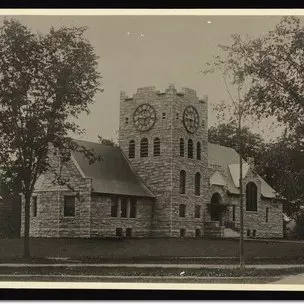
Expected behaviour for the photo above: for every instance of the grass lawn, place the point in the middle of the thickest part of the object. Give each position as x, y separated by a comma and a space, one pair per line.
150, 249
148, 271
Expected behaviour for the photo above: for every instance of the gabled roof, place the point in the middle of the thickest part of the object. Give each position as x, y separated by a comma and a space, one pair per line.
113, 174
234, 170
229, 161
217, 179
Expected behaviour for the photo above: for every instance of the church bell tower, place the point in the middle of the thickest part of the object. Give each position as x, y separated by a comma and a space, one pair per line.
164, 135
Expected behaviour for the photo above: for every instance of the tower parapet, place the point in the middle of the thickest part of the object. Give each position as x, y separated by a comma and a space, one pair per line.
150, 91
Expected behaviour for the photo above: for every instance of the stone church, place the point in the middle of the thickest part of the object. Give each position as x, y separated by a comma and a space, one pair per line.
164, 180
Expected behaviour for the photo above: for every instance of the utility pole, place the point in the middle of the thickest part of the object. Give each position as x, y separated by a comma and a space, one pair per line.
242, 262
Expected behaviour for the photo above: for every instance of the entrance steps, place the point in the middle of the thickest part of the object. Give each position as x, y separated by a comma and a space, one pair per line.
230, 233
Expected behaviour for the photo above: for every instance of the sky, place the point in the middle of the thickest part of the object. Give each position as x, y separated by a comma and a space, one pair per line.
137, 51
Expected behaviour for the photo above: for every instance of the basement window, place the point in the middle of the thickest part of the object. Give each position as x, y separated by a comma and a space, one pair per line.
197, 233
119, 232
129, 232
182, 232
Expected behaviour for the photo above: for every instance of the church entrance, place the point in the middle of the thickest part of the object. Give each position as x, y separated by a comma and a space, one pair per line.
215, 208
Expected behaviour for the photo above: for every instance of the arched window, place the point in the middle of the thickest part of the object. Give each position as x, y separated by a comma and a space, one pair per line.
156, 147
144, 147
131, 149
198, 150
197, 183
190, 148
251, 197
182, 182
181, 147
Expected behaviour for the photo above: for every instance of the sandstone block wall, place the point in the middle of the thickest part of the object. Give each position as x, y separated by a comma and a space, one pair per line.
161, 173
188, 97
50, 220
256, 220
155, 171
253, 220
103, 225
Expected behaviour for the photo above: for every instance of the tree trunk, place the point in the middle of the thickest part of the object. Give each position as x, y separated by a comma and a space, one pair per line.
26, 237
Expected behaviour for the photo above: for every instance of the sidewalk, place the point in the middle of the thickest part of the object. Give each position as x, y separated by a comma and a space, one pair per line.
141, 265
292, 279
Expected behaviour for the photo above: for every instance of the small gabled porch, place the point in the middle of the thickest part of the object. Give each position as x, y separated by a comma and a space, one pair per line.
222, 223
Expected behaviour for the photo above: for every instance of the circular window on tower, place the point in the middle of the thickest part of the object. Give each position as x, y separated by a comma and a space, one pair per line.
191, 119
144, 117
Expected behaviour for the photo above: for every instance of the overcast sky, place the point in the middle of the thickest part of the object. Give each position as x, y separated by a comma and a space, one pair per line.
140, 51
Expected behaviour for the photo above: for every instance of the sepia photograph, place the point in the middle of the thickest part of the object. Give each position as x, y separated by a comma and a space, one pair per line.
143, 148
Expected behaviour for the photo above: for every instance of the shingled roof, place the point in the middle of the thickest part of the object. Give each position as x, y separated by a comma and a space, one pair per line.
228, 159
113, 174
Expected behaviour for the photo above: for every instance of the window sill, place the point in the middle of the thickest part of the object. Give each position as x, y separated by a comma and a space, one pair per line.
123, 218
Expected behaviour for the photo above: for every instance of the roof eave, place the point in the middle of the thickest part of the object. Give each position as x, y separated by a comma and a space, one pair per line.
123, 194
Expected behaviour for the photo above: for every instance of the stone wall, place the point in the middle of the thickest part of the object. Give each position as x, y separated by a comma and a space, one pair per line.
103, 225
50, 220
253, 220
191, 166
161, 173
155, 171
256, 220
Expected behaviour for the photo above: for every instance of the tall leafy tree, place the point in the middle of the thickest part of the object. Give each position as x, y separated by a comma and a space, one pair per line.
46, 81
275, 63
226, 134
